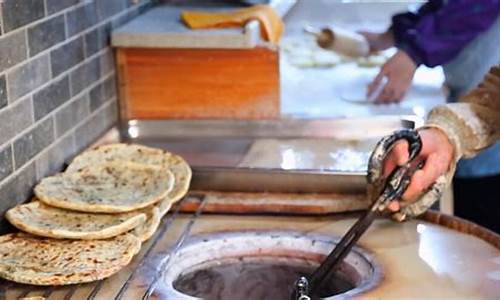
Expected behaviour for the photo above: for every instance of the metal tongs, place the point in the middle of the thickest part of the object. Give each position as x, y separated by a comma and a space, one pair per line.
383, 192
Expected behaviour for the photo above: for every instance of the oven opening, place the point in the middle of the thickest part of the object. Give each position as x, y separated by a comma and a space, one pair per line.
260, 265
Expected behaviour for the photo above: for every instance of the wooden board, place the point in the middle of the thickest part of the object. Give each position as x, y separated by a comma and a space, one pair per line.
198, 83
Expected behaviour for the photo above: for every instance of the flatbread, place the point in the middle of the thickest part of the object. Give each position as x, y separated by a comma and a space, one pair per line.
147, 229
119, 152
108, 188
43, 220
35, 260
144, 155
182, 174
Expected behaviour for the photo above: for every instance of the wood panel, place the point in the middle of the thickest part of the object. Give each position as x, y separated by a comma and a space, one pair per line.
192, 83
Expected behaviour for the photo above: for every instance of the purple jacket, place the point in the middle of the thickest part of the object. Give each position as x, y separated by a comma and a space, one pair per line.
437, 32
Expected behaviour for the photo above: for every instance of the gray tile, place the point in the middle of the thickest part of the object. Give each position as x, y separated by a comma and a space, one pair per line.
6, 165
1, 21
107, 62
33, 142
66, 56
51, 97
91, 42
15, 118
97, 98
106, 8
96, 126
85, 75
110, 114
81, 18
29, 76
54, 159
58, 5
97, 39
3, 92
46, 34
17, 13
109, 88
17, 189
72, 114
12, 49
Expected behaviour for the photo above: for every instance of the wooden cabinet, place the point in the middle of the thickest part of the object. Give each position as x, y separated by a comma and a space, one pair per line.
198, 83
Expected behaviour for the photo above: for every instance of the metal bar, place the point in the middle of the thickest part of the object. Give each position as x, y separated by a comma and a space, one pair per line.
179, 243
71, 292
348, 128
274, 180
48, 291
95, 290
4, 286
25, 293
164, 227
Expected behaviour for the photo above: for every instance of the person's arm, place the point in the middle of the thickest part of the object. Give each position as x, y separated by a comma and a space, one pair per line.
379, 41
453, 131
440, 33
474, 123
432, 37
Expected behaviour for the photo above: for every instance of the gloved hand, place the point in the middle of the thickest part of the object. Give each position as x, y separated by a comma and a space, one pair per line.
437, 152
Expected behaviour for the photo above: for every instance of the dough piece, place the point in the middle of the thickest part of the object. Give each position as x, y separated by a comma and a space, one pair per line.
372, 61
108, 188
43, 220
35, 260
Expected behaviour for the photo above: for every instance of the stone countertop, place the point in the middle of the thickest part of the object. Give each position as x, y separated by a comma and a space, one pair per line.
161, 27
416, 259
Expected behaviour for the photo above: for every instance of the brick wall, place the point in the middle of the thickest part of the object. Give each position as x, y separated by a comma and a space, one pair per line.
57, 84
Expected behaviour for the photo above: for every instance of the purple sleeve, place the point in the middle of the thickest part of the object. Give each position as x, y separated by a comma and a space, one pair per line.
438, 31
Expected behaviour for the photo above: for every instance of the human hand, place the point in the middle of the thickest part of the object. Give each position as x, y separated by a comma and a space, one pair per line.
399, 71
437, 154
378, 41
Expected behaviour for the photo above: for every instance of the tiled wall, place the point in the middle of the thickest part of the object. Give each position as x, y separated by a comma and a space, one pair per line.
57, 84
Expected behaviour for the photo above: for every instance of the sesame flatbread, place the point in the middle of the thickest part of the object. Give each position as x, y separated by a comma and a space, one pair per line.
144, 155
112, 187
40, 219
36, 260
147, 229
182, 174
119, 152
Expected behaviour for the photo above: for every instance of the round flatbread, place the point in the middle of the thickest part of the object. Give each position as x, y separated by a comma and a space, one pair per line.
36, 260
182, 174
107, 188
43, 220
144, 155
146, 230
119, 152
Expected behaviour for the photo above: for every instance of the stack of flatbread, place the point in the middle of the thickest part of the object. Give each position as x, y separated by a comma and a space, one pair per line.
87, 223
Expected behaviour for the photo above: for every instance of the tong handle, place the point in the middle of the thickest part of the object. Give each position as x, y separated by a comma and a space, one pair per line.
393, 188
343, 247
384, 146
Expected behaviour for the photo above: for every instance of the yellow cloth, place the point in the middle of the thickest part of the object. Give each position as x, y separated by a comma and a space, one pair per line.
271, 25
